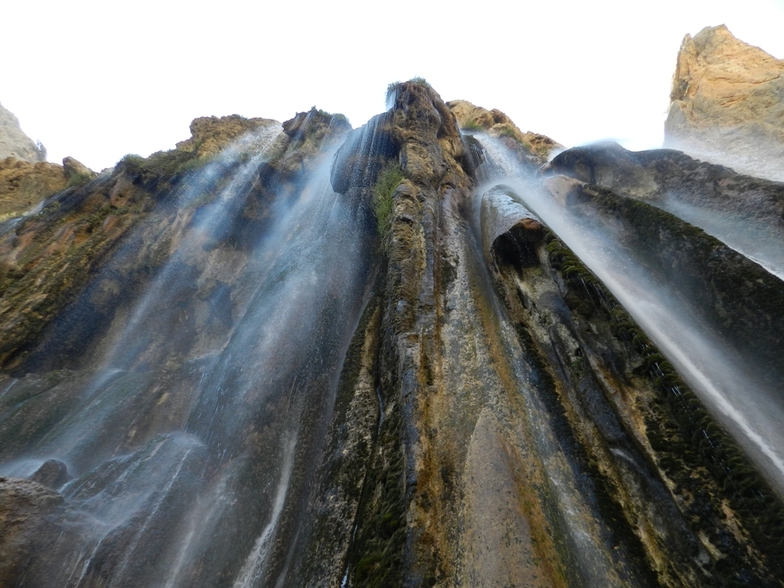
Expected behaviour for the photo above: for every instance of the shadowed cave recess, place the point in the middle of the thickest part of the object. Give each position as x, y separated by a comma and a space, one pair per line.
430, 351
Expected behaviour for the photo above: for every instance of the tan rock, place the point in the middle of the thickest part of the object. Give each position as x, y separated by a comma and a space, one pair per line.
74, 168
24, 184
13, 141
497, 124
210, 134
726, 104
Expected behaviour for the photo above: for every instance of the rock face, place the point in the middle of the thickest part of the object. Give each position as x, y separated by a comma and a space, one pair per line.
24, 184
744, 211
726, 104
210, 134
26, 178
339, 362
470, 117
13, 141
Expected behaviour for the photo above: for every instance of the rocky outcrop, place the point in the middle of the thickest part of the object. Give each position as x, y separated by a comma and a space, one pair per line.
726, 104
75, 170
210, 134
24, 184
14, 143
743, 211
26, 178
535, 146
57, 249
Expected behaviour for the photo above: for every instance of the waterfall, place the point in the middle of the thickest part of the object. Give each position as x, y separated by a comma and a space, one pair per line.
396, 355
728, 380
157, 436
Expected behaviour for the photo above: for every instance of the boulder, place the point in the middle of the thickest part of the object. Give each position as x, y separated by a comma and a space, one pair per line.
53, 473
75, 169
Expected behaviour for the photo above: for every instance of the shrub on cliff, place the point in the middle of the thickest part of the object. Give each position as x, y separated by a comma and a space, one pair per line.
387, 181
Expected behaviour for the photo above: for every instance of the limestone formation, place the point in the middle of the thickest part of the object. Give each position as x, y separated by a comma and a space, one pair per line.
726, 104
497, 124
13, 141
360, 359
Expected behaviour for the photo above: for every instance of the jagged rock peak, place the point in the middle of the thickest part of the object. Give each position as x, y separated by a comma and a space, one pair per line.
498, 124
726, 103
13, 141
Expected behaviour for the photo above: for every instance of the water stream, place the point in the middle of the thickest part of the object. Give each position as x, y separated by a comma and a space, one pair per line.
194, 440
727, 381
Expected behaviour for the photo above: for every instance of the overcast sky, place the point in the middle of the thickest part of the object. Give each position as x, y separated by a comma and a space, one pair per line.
97, 79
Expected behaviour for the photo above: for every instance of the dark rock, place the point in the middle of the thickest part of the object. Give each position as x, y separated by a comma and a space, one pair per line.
52, 473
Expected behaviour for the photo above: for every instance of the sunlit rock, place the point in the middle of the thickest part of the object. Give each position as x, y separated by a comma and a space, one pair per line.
14, 143
496, 123
210, 134
726, 104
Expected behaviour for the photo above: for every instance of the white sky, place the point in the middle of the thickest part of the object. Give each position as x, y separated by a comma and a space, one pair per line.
97, 79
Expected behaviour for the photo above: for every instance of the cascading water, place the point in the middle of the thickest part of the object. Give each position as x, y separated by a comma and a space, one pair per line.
357, 358
247, 398
730, 382
743, 232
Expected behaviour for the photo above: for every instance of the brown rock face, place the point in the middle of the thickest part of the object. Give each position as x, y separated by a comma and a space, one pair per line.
210, 134
726, 104
497, 124
74, 168
24, 184
13, 141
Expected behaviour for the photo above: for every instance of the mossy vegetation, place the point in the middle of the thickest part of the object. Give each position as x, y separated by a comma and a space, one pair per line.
336, 118
736, 295
707, 468
393, 87
162, 167
472, 126
79, 179
420, 81
383, 204
376, 557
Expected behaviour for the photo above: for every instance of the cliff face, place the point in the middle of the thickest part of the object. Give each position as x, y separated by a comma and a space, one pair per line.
305, 355
726, 104
14, 143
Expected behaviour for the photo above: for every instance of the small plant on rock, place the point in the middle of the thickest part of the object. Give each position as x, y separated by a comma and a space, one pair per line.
387, 181
472, 126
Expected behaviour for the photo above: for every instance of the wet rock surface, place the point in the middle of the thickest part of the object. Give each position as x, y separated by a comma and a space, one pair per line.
337, 363
744, 212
